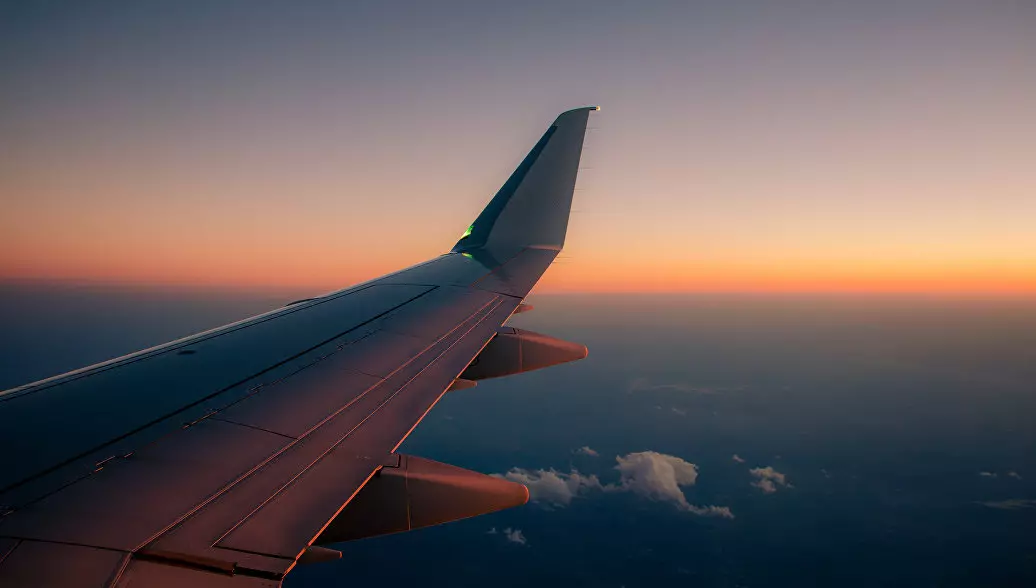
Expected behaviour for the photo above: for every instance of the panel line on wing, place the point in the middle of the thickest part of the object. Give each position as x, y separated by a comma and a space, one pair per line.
385, 401
207, 397
247, 426
481, 313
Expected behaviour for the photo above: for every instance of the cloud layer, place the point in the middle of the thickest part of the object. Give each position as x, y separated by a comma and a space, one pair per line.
1012, 504
645, 385
649, 474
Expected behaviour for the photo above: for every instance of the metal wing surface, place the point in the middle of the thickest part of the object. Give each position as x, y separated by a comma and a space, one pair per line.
226, 458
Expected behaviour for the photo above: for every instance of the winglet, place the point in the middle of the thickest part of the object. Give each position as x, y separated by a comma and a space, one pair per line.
532, 208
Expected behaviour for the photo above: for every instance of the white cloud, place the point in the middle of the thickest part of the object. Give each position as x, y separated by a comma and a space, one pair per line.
491, 531
768, 479
1014, 475
649, 474
659, 477
514, 535
1012, 504
987, 474
656, 475
679, 411
737, 458
585, 450
552, 486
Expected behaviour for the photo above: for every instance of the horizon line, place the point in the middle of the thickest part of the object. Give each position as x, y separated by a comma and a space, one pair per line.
274, 288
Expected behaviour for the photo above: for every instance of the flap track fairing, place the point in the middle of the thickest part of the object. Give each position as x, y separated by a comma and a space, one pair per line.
420, 493
513, 351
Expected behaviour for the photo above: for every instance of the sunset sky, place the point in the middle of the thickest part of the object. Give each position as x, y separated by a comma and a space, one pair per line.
741, 146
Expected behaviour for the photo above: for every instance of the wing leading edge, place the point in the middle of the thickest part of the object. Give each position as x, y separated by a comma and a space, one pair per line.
227, 458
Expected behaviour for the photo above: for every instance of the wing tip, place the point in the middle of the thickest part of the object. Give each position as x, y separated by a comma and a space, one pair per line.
587, 109
580, 108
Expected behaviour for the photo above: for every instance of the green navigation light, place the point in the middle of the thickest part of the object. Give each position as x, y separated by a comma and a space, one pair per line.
468, 232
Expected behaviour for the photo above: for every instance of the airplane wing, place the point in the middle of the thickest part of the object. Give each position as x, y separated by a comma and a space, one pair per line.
226, 458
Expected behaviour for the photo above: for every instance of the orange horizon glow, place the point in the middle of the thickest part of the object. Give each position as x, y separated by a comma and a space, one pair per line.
565, 276
820, 149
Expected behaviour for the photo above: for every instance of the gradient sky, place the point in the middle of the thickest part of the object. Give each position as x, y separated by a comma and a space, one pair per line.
759, 146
